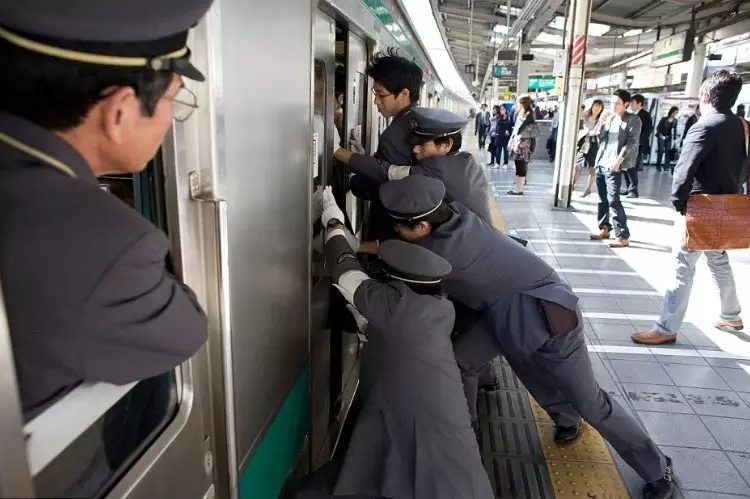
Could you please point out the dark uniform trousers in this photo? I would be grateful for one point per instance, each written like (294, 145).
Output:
(560, 377)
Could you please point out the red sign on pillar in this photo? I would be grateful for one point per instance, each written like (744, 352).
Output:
(578, 51)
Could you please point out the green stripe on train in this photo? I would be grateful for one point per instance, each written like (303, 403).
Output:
(277, 454)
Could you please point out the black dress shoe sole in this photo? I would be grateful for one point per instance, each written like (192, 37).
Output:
(568, 438)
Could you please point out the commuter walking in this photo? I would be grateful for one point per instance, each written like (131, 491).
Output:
(482, 125)
(666, 134)
(589, 144)
(618, 149)
(631, 176)
(713, 161)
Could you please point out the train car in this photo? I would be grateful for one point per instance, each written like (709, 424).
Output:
(266, 399)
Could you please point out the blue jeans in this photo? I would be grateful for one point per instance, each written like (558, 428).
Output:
(608, 186)
(677, 297)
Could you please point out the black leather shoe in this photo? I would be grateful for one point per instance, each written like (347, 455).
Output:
(662, 488)
(567, 434)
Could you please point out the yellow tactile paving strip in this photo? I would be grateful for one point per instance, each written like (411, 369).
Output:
(584, 468)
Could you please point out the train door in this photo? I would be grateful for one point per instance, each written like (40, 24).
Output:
(325, 107)
(356, 114)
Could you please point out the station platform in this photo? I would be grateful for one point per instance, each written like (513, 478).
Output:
(693, 397)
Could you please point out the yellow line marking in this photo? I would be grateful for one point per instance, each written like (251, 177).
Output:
(584, 468)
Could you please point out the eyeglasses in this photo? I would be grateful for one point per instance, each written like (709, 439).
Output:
(184, 103)
(380, 96)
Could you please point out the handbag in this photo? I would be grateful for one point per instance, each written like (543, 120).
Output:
(718, 221)
(673, 154)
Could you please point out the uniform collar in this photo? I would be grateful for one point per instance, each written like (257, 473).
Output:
(44, 141)
(405, 110)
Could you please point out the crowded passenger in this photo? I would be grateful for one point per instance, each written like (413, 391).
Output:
(436, 139)
(397, 82)
(618, 151)
(521, 144)
(713, 161)
(406, 444)
(666, 136)
(528, 314)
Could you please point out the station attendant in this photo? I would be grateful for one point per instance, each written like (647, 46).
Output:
(436, 141)
(406, 444)
(528, 314)
(88, 91)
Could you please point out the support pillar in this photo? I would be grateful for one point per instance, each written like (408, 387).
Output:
(522, 83)
(579, 16)
(493, 97)
(695, 72)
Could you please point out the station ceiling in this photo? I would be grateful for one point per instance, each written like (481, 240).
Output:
(619, 29)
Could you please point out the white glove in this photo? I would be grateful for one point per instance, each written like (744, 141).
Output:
(354, 145)
(361, 321)
(353, 241)
(330, 209)
(317, 203)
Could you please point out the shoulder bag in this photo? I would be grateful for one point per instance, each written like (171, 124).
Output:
(718, 221)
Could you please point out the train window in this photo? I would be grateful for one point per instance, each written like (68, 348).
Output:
(84, 442)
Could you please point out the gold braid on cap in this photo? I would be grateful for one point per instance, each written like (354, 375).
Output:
(155, 63)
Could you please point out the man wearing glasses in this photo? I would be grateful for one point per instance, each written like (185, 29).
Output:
(396, 87)
(88, 294)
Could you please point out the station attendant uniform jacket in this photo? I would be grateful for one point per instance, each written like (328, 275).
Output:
(464, 179)
(498, 276)
(86, 289)
(407, 443)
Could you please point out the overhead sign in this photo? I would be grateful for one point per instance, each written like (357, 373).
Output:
(541, 83)
(505, 70)
(506, 55)
(675, 49)
(470, 69)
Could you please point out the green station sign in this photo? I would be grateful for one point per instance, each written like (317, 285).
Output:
(542, 83)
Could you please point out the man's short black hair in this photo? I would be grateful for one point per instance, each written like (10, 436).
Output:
(57, 94)
(721, 89)
(624, 95)
(456, 137)
(396, 73)
(640, 99)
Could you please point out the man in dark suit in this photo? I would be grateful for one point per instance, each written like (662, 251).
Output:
(630, 177)
(397, 82)
(482, 125)
(713, 161)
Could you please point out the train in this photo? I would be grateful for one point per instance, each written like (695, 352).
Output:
(265, 401)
